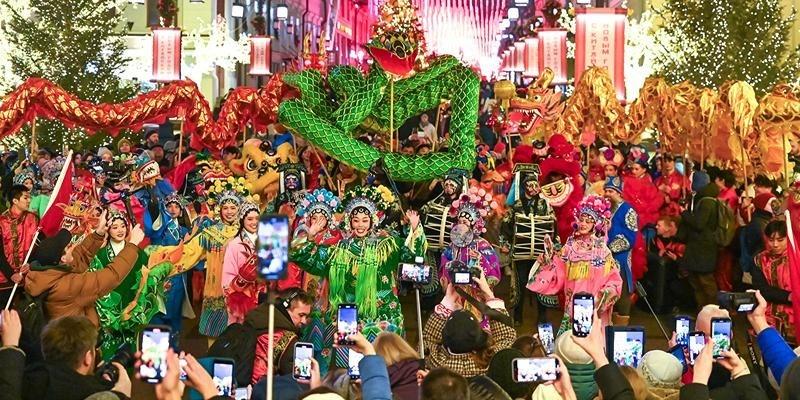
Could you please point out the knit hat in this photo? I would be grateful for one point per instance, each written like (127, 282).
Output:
(124, 142)
(500, 371)
(545, 392)
(324, 396)
(462, 333)
(104, 150)
(762, 200)
(661, 369)
(699, 180)
(613, 182)
(569, 352)
(48, 250)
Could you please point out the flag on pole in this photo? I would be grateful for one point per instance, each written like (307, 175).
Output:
(50, 223)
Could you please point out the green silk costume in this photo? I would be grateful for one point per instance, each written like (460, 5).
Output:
(116, 326)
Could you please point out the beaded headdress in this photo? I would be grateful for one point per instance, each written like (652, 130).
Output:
(26, 174)
(176, 198)
(246, 207)
(474, 205)
(228, 190)
(375, 200)
(320, 201)
(596, 207)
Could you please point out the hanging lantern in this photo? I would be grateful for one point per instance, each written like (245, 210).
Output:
(260, 55)
(166, 54)
(600, 41)
(553, 53)
(519, 56)
(531, 63)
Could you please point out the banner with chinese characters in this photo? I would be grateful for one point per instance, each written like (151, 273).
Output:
(260, 55)
(166, 54)
(519, 56)
(531, 65)
(600, 42)
(553, 53)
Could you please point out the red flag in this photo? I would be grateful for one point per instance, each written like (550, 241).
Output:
(53, 215)
(793, 250)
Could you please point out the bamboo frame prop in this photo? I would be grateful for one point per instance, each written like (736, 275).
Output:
(785, 160)
(391, 114)
(33, 136)
(180, 143)
(324, 168)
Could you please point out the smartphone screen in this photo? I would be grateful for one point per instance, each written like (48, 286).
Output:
(547, 338)
(273, 247)
(679, 353)
(154, 344)
(353, 358)
(415, 273)
(182, 362)
(582, 314)
(241, 394)
(303, 353)
(347, 323)
(697, 340)
(538, 369)
(223, 377)
(628, 346)
(721, 335)
(682, 330)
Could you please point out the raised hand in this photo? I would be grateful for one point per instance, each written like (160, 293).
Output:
(413, 219)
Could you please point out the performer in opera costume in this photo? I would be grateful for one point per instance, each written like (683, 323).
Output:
(643, 195)
(240, 282)
(361, 268)
(319, 205)
(584, 264)
(621, 237)
(467, 248)
(134, 302)
(17, 227)
(560, 180)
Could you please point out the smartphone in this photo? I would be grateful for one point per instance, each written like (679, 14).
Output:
(415, 273)
(353, 358)
(303, 353)
(547, 338)
(679, 352)
(182, 362)
(223, 376)
(582, 314)
(625, 344)
(697, 340)
(154, 343)
(273, 246)
(682, 326)
(241, 394)
(721, 331)
(346, 323)
(536, 369)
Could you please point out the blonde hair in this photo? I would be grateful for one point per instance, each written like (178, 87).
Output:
(639, 386)
(394, 349)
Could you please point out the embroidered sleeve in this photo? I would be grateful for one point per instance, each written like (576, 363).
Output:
(619, 244)
(631, 220)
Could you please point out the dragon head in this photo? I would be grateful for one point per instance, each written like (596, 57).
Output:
(259, 165)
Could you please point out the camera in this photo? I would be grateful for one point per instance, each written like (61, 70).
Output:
(418, 272)
(743, 302)
(461, 274)
(108, 371)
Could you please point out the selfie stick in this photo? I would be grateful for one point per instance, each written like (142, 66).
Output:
(419, 325)
(643, 293)
(270, 346)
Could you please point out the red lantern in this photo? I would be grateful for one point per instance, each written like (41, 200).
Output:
(531, 65)
(166, 54)
(553, 53)
(519, 56)
(600, 41)
(260, 55)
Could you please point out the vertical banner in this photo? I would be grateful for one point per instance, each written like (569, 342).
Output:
(531, 66)
(260, 55)
(519, 56)
(553, 53)
(600, 41)
(166, 54)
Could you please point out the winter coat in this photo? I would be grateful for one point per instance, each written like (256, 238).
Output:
(49, 381)
(284, 338)
(403, 378)
(698, 226)
(73, 291)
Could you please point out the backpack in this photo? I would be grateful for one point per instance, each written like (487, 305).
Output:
(238, 342)
(726, 227)
(33, 317)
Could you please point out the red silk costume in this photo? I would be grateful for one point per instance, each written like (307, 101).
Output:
(17, 231)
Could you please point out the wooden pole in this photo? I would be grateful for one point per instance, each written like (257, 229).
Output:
(785, 161)
(391, 114)
(244, 134)
(702, 152)
(324, 168)
(436, 130)
(180, 143)
(33, 136)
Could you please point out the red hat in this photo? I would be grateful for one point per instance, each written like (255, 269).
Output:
(560, 146)
(762, 199)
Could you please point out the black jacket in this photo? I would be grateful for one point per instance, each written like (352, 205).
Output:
(744, 387)
(49, 381)
(699, 226)
(12, 362)
(612, 383)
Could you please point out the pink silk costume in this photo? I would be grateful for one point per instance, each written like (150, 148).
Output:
(581, 266)
(240, 283)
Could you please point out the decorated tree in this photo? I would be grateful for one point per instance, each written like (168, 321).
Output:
(708, 42)
(76, 44)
